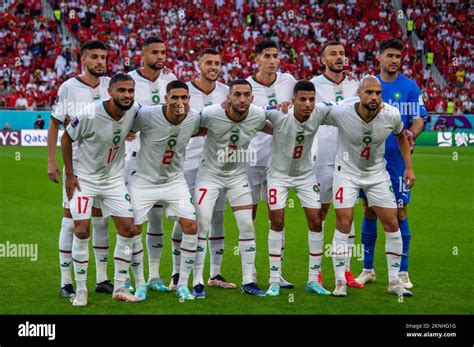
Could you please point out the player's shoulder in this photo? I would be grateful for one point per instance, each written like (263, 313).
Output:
(104, 80)
(222, 87)
(350, 82)
(72, 82)
(285, 77)
(212, 110)
(169, 76)
(319, 79)
(390, 111)
(134, 74)
(193, 115)
(258, 110)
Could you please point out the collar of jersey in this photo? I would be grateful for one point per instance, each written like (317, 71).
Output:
(263, 84)
(332, 81)
(87, 84)
(202, 90)
(149, 79)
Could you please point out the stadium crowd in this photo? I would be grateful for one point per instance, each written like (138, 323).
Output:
(34, 61)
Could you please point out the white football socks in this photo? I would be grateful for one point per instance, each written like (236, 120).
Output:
(100, 244)
(66, 235)
(122, 258)
(80, 257)
(315, 242)
(216, 242)
(275, 240)
(154, 241)
(188, 256)
(137, 260)
(393, 251)
(247, 243)
(176, 237)
(339, 254)
(350, 245)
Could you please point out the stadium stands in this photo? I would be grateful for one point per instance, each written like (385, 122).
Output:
(33, 61)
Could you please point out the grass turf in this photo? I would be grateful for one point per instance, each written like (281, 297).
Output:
(441, 251)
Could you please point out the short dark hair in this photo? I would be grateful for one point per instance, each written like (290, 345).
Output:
(152, 39)
(175, 85)
(239, 82)
(264, 45)
(94, 44)
(120, 77)
(209, 51)
(330, 43)
(390, 43)
(303, 85)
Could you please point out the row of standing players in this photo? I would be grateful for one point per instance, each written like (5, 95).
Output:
(268, 87)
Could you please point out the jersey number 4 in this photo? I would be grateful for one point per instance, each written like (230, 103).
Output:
(339, 194)
(366, 153)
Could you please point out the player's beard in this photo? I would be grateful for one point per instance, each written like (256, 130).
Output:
(333, 69)
(155, 67)
(122, 106)
(370, 108)
(96, 74)
(242, 114)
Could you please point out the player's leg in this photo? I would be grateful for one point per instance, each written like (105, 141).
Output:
(240, 199)
(345, 193)
(381, 198)
(115, 201)
(369, 237)
(81, 209)
(188, 255)
(176, 235)
(154, 241)
(402, 216)
(216, 245)
(277, 197)
(100, 244)
(205, 196)
(66, 236)
(141, 291)
(402, 196)
(123, 254)
(308, 193)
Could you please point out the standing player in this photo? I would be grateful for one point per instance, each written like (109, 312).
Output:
(223, 167)
(269, 89)
(73, 96)
(164, 133)
(402, 93)
(333, 86)
(100, 132)
(291, 167)
(204, 91)
(150, 89)
(363, 127)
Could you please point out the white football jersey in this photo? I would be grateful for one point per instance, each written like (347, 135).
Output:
(100, 140)
(200, 99)
(361, 144)
(269, 95)
(163, 144)
(292, 141)
(148, 92)
(226, 150)
(325, 144)
(74, 95)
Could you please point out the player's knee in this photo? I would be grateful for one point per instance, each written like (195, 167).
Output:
(369, 213)
(127, 230)
(315, 224)
(343, 225)
(82, 231)
(391, 226)
(277, 223)
(189, 227)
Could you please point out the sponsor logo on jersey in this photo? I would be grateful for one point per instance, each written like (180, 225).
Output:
(75, 122)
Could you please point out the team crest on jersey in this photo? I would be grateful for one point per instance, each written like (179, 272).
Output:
(397, 96)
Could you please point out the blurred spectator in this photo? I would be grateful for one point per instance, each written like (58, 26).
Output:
(6, 126)
(39, 124)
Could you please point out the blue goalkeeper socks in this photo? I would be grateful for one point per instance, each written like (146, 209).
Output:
(369, 236)
(406, 237)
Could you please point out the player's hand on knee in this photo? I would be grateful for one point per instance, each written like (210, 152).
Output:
(53, 171)
(71, 184)
(409, 178)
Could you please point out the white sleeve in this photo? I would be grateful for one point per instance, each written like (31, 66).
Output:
(60, 106)
(77, 127)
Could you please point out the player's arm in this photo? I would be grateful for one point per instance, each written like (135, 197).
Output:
(418, 124)
(267, 128)
(203, 124)
(404, 146)
(72, 133)
(53, 168)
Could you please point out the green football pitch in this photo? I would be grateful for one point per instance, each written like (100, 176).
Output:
(441, 255)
